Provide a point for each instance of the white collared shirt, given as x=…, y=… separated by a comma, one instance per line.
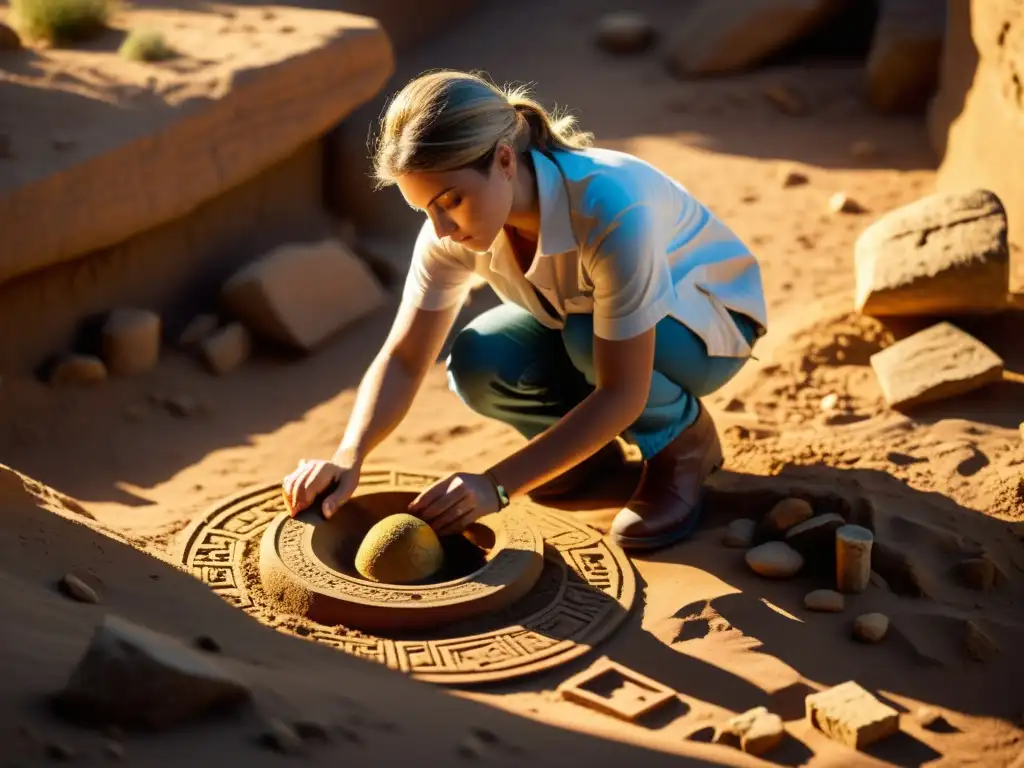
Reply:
x=618, y=239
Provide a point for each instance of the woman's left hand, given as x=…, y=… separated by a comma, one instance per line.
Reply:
x=449, y=506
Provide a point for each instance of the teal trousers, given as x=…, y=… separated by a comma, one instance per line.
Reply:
x=507, y=366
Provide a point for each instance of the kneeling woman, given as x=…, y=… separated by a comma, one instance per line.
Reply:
x=624, y=302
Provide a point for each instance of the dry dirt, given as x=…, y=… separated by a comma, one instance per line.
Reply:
x=940, y=483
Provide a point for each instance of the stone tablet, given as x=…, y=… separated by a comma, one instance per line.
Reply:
x=939, y=362
x=585, y=590
x=943, y=254
x=851, y=715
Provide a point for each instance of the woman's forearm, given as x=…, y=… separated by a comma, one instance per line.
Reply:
x=595, y=422
x=384, y=397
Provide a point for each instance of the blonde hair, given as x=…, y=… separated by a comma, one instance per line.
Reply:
x=446, y=120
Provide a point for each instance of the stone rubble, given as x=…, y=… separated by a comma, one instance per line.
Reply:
x=943, y=254
x=939, y=362
x=131, y=341
x=756, y=731
x=850, y=715
x=300, y=295
x=132, y=676
x=226, y=349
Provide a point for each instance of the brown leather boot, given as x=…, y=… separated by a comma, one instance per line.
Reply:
x=665, y=506
x=574, y=479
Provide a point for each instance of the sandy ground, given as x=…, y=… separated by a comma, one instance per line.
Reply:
x=943, y=482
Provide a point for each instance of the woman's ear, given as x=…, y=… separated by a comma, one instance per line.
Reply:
x=505, y=157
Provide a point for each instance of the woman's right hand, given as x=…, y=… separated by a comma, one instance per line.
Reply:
x=313, y=477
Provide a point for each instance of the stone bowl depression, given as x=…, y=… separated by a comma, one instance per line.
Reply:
x=307, y=564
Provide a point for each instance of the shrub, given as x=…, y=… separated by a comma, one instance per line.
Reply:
x=61, y=22
x=146, y=45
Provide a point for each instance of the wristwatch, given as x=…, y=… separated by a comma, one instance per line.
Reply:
x=503, y=499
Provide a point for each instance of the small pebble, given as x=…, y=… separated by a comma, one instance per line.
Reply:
x=824, y=601
x=840, y=202
x=791, y=178
x=978, y=573
x=774, y=560
x=871, y=627
x=74, y=587
x=829, y=401
x=740, y=533
x=78, y=369
x=207, y=643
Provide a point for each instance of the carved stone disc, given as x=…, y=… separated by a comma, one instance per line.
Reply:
x=584, y=590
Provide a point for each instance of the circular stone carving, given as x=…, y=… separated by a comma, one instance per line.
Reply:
x=307, y=564
x=584, y=591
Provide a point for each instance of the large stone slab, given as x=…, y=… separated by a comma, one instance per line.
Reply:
x=718, y=37
x=299, y=295
x=903, y=63
x=946, y=253
x=977, y=117
x=102, y=150
x=939, y=362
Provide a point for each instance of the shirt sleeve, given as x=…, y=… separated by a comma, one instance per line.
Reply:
x=436, y=279
x=632, y=282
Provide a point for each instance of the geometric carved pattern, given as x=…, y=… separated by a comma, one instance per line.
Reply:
x=586, y=590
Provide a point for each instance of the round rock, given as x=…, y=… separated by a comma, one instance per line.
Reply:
x=624, y=33
x=775, y=560
x=870, y=627
x=824, y=601
x=740, y=533
x=787, y=514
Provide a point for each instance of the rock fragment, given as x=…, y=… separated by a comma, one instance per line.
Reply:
x=841, y=202
x=755, y=731
x=824, y=601
x=199, y=328
x=787, y=514
x=903, y=62
x=225, y=350
x=300, y=295
x=850, y=715
x=793, y=178
x=131, y=676
x=937, y=363
x=774, y=560
x=131, y=341
x=76, y=588
x=870, y=627
x=716, y=38
x=946, y=253
x=78, y=370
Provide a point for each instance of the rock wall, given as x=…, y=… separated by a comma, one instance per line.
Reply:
x=976, y=120
x=175, y=268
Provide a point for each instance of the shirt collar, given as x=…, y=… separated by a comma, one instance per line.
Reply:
x=556, y=234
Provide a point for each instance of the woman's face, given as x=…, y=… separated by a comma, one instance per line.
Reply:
x=466, y=205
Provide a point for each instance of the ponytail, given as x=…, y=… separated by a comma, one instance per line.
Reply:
x=543, y=130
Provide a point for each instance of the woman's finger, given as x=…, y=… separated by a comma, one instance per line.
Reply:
x=431, y=495
x=302, y=498
x=448, y=522
x=441, y=505
x=289, y=486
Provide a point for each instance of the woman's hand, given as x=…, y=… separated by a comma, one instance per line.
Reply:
x=453, y=503
x=311, y=478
